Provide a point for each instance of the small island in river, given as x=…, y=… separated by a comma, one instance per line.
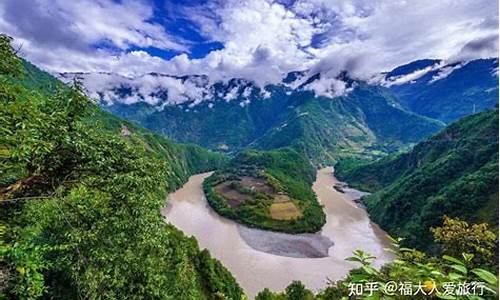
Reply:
x=267, y=190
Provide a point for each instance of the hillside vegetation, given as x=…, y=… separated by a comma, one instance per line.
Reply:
x=367, y=122
x=269, y=190
x=453, y=173
x=80, y=194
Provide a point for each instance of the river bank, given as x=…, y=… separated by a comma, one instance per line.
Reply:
x=260, y=259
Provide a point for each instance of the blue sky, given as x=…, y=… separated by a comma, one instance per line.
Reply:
x=168, y=14
x=254, y=39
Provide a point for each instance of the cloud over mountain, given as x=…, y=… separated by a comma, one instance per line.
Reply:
x=259, y=40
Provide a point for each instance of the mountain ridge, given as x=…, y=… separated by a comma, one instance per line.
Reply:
x=430, y=66
x=453, y=173
x=445, y=91
x=237, y=114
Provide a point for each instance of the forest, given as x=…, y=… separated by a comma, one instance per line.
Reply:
x=80, y=202
x=453, y=173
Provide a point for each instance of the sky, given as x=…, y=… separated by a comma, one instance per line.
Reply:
x=259, y=40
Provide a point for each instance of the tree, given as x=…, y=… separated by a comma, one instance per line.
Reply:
x=297, y=291
x=266, y=294
x=456, y=237
x=10, y=64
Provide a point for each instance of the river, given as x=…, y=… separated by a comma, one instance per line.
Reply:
x=260, y=259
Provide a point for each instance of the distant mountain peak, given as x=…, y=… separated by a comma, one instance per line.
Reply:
x=431, y=70
x=446, y=91
x=160, y=90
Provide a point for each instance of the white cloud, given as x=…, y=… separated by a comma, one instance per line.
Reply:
x=262, y=39
x=265, y=94
x=391, y=33
x=244, y=103
x=247, y=92
x=328, y=87
x=411, y=77
x=231, y=94
x=122, y=23
x=61, y=35
x=445, y=72
x=156, y=90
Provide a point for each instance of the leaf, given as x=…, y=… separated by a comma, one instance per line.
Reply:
x=460, y=268
x=436, y=273
x=455, y=276
x=403, y=249
x=452, y=259
x=353, y=258
x=370, y=270
x=468, y=256
x=390, y=250
x=358, y=277
x=486, y=276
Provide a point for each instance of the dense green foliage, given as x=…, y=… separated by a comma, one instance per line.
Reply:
x=456, y=237
x=412, y=275
x=286, y=170
x=80, y=201
x=366, y=122
x=453, y=173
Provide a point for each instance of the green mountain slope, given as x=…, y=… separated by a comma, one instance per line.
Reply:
x=367, y=122
x=80, y=194
x=218, y=125
x=453, y=173
x=185, y=159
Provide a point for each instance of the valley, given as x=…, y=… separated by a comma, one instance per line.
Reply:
x=453, y=173
x=235, y=115
x=368, y=120
x=252, y=210
x=260, y=259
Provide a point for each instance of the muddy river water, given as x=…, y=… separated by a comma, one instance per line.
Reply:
x=260, y=259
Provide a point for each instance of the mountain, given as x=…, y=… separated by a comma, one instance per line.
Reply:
x=367, y=122
x=80, y=197
x=445, y=91
x=324, y=118
x=185, y=159
x=453, y=173
x=80, y=192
